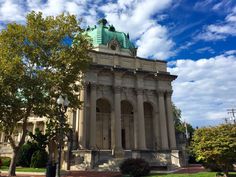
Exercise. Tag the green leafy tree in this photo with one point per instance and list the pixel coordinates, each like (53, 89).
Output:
(37, 64)
(25, 153)
(180, 126)
(40, 139)
(216, 145)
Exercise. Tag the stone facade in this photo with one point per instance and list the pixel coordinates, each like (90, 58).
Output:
(127, 109)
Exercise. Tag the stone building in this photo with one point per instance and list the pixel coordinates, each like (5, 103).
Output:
(127, 104)
(127, 110)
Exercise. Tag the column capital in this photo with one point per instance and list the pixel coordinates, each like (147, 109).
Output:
(160, 91)
(93, 85)
(169, 93)
(117, 89)
(85, 83)
(139, 91)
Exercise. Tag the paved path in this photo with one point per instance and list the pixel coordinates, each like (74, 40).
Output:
(193, 168)
(73, 174)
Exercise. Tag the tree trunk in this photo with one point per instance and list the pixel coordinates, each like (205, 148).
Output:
(226, 171)
(12, 168)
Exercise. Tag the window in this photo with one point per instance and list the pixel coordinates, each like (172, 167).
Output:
(113, 47)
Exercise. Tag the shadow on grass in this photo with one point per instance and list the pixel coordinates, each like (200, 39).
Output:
(200, 174)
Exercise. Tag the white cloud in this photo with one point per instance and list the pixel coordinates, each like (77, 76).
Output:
(205, 88)
(202, 4)
(150, 43)
(221, 30)
(130, 16)
(135, 17)
(205, 49)
(11, 11)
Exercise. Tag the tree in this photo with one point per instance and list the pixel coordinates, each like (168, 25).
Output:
(180, 126)
(216, 145)
(40, 139)
(25, 153)
(37, 64)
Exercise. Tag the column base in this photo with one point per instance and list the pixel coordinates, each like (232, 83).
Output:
(118, 152)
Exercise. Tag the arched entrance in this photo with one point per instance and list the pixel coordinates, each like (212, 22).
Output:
(127, 125)
(148, 118)
(103, 124)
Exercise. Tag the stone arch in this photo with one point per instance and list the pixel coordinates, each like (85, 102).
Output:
(149, 127)
(103, 124)
(127, 124)
(109, 100)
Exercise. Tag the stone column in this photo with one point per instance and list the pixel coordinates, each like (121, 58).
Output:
(2, 137)
(34, 127)
(141, 122)
(93, 99)
(171, 127)
(44, 127)
(136, 138)
(117, 114)
(163, 126)
(113, 127)
(156, 129)
(82, 124)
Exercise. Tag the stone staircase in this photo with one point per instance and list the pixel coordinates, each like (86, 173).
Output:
(110, 165)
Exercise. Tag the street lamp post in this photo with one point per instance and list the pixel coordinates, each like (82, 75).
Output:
(62, 107)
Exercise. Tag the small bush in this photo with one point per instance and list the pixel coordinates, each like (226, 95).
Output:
(212, 167)
(25, 154)
(39, 159)
(6, 161)
(135, 167)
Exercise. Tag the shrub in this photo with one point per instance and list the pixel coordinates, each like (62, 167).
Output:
(135, 167)
(211, 167)
(39, 159)
(25, 154)
(6, 161)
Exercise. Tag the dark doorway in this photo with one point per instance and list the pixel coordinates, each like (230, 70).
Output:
(123, 138)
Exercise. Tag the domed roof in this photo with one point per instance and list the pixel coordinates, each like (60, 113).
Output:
(107, 36)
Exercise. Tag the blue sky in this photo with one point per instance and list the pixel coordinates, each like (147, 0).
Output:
(196, 37)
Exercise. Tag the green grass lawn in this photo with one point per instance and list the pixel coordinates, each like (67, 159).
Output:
(202, 174)
(20, 169)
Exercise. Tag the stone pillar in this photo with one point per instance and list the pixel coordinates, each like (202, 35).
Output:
(2, 137)
(136, 138)
(93, 99)
(141, 122)
(163, 126)
(117, 114)
(82, 120)
(156, 129)
(171, 127)
(44, 127)
(113, 127)
(117, 106)
(34, 127)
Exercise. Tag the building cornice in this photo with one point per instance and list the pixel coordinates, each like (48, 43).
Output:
(126, 56)
(160, 75)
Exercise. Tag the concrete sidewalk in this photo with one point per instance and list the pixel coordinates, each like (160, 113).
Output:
(192, 168)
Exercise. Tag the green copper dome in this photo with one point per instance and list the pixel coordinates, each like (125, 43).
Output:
(105, 35)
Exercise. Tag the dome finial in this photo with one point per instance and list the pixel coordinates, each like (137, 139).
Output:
(102, 22)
